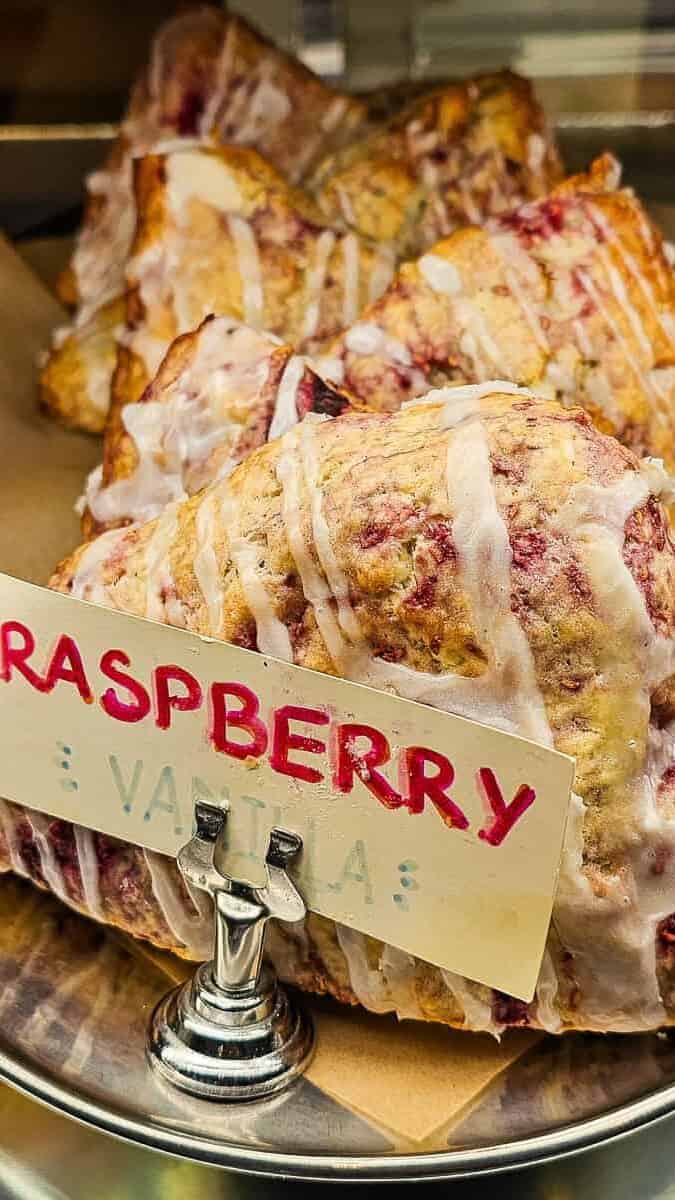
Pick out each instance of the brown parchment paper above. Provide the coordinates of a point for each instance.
(411, 1079)
(43, 466)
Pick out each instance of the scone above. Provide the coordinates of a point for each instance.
(488, 553)
(572, 295)
(453, 157)
(219, 393)
(219, 231)
(210, 75)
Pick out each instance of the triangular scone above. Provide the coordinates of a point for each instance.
(218, 394)
(490, 554)
(454, 157)
(218, 231)
(572, 295)
(209, 75)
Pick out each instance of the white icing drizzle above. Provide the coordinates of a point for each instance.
(368, 338)
(612, 935)
(175, 435)
(268, 106)
(476, 340)
(188, 927)
(9, 830)
(484, 558)
(476, 1001)
(87, 583)
(441, 274)
(272, 636)
(470, 207)
(344, 200)
(89, 872)
(285, 414)
(326, 588)
(162, 604)
(205, 563)
(516, 262)
(48, 862)
(249, 270)
(546, 994)
(368, 983)
(662, 315)
(350, 259)
(194, 173)
(596, 516)
(621, 295)
(399, 970)
(536, 151)
(640, 372)
(329, 367)
(314, 282)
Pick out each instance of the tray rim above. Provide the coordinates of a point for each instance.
(578, 1137)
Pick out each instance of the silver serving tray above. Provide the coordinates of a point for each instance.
(74, 1008)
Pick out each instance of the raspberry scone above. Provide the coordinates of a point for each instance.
(454, 157)
(220, 392)
(486, 552)
(573, 295)
(220, 231)
(210, 75)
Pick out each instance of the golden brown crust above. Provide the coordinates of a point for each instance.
(75, 380)
(457, 155)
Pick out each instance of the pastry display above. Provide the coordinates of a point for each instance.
(538, 298)
(444, 478)
(453, 157)
(212, 78)
(458, 154)
(572, 295)
(315, 550)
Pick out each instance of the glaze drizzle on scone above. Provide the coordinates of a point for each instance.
(572, 295)
(483, 551)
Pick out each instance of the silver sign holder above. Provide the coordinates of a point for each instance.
(232, 1032)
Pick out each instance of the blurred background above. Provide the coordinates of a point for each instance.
(604, 68)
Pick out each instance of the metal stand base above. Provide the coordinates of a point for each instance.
(219, 1047)
(231, 1032)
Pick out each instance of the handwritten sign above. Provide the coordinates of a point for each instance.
(429, 831)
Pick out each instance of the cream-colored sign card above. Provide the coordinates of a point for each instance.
(429, 831)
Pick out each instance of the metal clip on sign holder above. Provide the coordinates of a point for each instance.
(231, 1032)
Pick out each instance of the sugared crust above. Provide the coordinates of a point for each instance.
(455, 156)
(568, 631)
